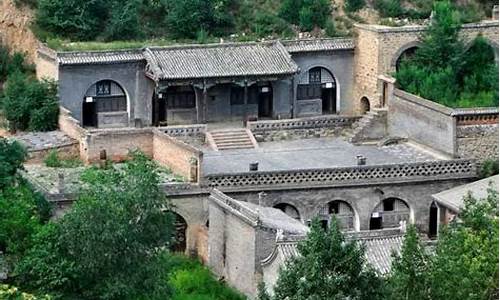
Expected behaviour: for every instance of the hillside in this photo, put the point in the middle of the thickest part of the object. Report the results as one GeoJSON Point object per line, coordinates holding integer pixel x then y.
{"type": "Point", "coordinates": [120, 24]}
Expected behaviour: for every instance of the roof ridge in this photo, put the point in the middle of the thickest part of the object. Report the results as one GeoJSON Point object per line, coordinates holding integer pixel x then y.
{"type": "Point", "coordinates": [213, 45]}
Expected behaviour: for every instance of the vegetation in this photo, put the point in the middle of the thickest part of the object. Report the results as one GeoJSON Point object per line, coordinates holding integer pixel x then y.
{"type": "Point", "coordinates": [328, 267]}
{"type": "Point", "coordinates": [13, 293]}
{"type": "Point", "coordinates": [53, 160]}
{"type": "Point", "coordinates": [465, 263]}
{"type": "Point", "coordinates": [354, 5]}
{"type": "Point", "coordinates": [441, 70]}
{"type": "Point", "coordinates": [488, 168]}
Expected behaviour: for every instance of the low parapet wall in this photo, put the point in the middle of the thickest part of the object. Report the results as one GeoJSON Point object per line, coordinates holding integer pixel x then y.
{"type": "Point", "coordinates": [309, 127]}
{"type": "Point", "coordinates": [347, 176]}
{"type": "Point", "coordinates": [460, 132]}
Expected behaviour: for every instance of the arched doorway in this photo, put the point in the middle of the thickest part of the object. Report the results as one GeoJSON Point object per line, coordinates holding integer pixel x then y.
{"type": "Point", "coordinates": [389, 213]}
{"type": "Point", "coordinates": [433, 220]}
{"type": "Point", "coordinates": [365, 105]}
{"type": "Point", "coordinates": [319, 83]}
{"type": "Point", "coordinates": [180, 226]}
{"type": "Point", "coordinates": [405, 55]}
{"type": "Point", "coordinates": [342, 212]}
{"type": "Point", "coordinates": [105, 96]}
{"type": "Point", "coordinates": [288, 209]}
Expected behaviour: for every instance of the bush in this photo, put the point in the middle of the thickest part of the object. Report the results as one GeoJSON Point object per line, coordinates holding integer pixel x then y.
{"type": "Point", "coordinates": [289, 10]}
{"type": "Point", "coordinates": [53, 160]}
{"type": "Point", "coordinates": [389, 8]}
{"type": "Point", "coordinates": [314, 13]}
{"type": "Point", "coordinates": [488, 168]}
{"type": "Point", "coordinates": [267, 24]}
{"type": "Point", "coordinates": [194, 281]}
{"type": "Point", "coordinates": [354, 5]}
{"type": "Point", "coordinates": [12, 156]}
{"type": "Point", "coordinates": [30, 104]}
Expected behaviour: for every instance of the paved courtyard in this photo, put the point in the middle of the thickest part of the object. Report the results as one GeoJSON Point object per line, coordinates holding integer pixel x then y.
{"type": "Point", "coordinates": [310, 154]}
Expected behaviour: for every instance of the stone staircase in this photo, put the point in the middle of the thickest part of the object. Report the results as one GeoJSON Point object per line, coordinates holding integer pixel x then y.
{"type": "Point", "coordinates": [231, 139]}
{"type": "Point", "coordinates": [372, 126]}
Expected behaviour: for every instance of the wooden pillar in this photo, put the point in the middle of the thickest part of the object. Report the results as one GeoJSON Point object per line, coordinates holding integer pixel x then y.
{"type": "Point", "coordinates": [294, 98]}
{"type": "Point", "coordinates": [245, 103]}
{"type": "Point", "coordinates": [205, 103]}
{"type": "Point", "coordinates": [198, 98]}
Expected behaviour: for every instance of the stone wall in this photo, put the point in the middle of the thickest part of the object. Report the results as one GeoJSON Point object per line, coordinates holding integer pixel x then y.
{"type": "Point", "coordinates": [181, 158]}
{"type": "Point", "coordinates": [46, 63]}
{"type": "Point", "coordinates": [423, 121]}
{"type": "Point", "coordinates": [301, 128]}
{"type": "Point", "coordinates": [478, 141]}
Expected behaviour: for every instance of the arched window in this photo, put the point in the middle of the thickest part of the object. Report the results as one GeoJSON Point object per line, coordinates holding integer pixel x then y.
{"type": "Point", "coordinates": [319, 83]}
{"type": "Point", "coordinates": [342, 211]}
{"type": "Point", "coordinates": [104, 96]}
{"type": "Point", "coordinates": [389, 213]}
{"type": "Point", "coordinates": [288, 209]}
{"type": "Point", "coordinates": [365, 105]}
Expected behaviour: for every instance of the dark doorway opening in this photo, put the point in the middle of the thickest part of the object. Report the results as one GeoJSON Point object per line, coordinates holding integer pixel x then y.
{"type": "Point", "coordinates": [89, 114]}
{"type": "Point", "coordinates": [375, 223]}
{"type": "Point", "coordinates": [365, 105]}
{"type": "Point", "coordinates": [180, 225]}
{"type": "Point", "coordinates": [265, 98]}
{"type": "Point", "coordinates": [329, 101]}
{"type": "Point", "coordinates": [433, 220]}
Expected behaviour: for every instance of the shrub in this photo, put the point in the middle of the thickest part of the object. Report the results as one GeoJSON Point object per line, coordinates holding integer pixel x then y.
{"type": "Point", "coordinates": [330, 29]}
{"type": "Point", "coordinates": [488, 168]}
{"type": "Point", "coordinates": [12, 156]}
{"type": "Point", "coordinates": [268, 24]}
{"type": "Point", "coordinates": [30, 104]}
{"type": "Point", "coordinates": [354, 5]}
{"type": "Point", "coordinates": [389, 8]}
{"type": "Point", "coordinates": [314, 13]}
{"type": "Point", "coordinates": [289, 10]}
{"type": "Point", "coordinates": [53, 160]}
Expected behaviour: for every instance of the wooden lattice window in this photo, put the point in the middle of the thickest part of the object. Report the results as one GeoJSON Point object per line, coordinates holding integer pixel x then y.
{"type": "Point", "coordinates": [103, 88]}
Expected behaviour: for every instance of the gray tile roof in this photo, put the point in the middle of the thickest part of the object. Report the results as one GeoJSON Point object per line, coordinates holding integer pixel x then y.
{"type": "Point", "coordinates": [378, 250]}
{"type": "Point", "coordinates": [454, 198]}
{"type": "Point", "coordinates": [219, 60]}
{"type": "Point", "coordinates": [99, 57]}
{"type": "Point", "coordinates": [313, 45]}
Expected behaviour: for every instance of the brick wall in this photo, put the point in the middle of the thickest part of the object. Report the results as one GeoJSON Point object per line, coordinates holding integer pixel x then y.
{"type": "Point", "coordinates": [478, 141]}
{"type": "Point", "coordinates": [181, 158]}
{"type": "Point", "coordinates": [117, 143]}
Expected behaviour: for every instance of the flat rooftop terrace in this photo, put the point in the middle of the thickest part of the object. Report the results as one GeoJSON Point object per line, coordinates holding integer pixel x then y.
{"type": "Point", "coordinates": [315, 153]}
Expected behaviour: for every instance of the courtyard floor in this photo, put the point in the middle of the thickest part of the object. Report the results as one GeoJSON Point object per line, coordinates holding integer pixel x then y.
{"type": "Point", "coordinates": [311, 154]}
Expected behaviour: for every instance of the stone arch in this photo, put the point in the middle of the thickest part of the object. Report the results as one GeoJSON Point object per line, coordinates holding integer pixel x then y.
{"type": "Point", "coordinates": [493, 45]}
{"type": "Point", "coordinates": [347, 217]}
{"type": "Point", "coordinates": [389, 212]}
{"type": "Point", "coordinates": [328, 90]}
{"type": "Point", "coordinates": [180, 227]}
{"type": "Point", "coordinates": [104, 96]}
{"type": "Point", "coordinates": [365, 105]}
{"type": "Point", "coordinates": [288, 209]}
{"type": "Point", "coordinates": [400, 53]}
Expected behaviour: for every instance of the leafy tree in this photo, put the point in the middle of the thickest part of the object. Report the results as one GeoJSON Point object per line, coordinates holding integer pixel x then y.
{"type": "Point", "coordinates": [124, 21]}
{"type": "Point", "coordinates": [328, 267]}
{"type": "Point", "coordinates": [488, 168]}
{"type": "Point", "coordinates": [80, 19]}
{"type": "Point", "coordinates": [389, 8]}
{"type": "Point", "coordinates": [466, 262]}
{"type": "Point", "coordinates": [314, 13]}
{"type": "Point", "coordinates": [12, 156]}
{"type": "Point", "coordinates": [261, 292]}
{"type": "Point", "coordinates": [289, 10]}
{"type": "Point", "coordinates": [186, 18]}
{"type": "Point", "coordinates": [354, 5]}
{"type": "Point", "coordinates": [109, 245]}
{"type": "Point", "coordinates": [30, 104]}
{"type": "Point", "coordinates": [409, 272]}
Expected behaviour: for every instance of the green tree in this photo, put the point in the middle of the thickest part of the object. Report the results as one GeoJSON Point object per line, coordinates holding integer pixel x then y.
{"type": "Point", "coordinates": [109, 245]}
{"type": "Point", "coordinates": [328, 267]}
{"type": "Point", "coordinates": [409, 272]}
{"type": "Point", "coordinates": [124, 21]}
{"type": "Point", "coordinates": [30, 104]}
{"type": "Point", "coordinates": [466, 262]}
{"type": "Point", "coordinates": [186, 18]}
{"type": "Point", "coordinates": [314, 13]}
{"type": "Point", "coordinates": [354, 5]}
{"type": "Point", "coordinates": [262, 293]}
{"type": "Point", "coordinates": [12, 156]}
{"type": "Point", "coordinates": [289, 10]}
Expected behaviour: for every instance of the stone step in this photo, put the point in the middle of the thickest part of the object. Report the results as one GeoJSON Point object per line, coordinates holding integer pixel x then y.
{"type": "Point", "coordinates": [236, 147]}
{"type": "Point", "coordinates": [231, 139]}
{"type": "Point", "coordinates": [228, 139]}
